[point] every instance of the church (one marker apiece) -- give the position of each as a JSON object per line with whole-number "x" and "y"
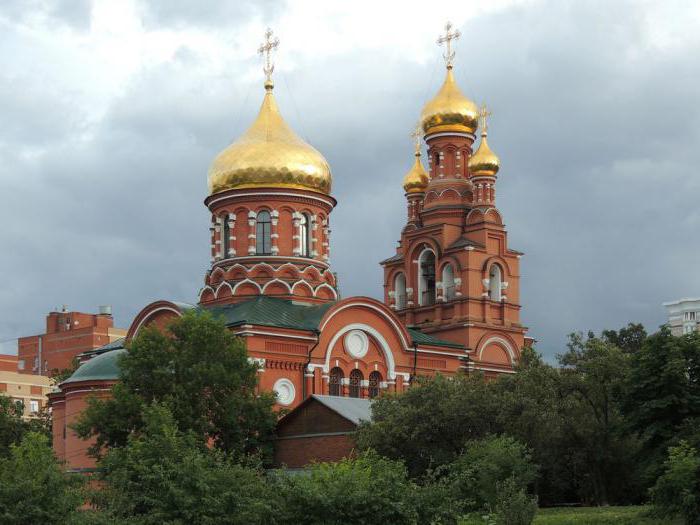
{"x": 451, "y": 289}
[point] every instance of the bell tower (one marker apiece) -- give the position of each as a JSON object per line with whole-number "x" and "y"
{"x": 270, "y": 204}
{"x": 454, "y": 275}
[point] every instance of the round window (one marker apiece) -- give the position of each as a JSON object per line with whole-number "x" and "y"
{"x": 356, "y": 343}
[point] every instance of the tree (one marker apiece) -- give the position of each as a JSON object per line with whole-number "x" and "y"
{"x": 593, "y": 375}
{"x": 677, "y": 491}
{"x": 201, "y": 373}
{"x": 367, "y": 489}
{"x": 628, "y": 339}
{"x": 429, "y": 424}
{"x": 12, "y": 427}
{"x": 663, "y": 393}
{"x": 163, "y": 475}
{"x": 33, "y": 487}
{"x": 477, "y": 473}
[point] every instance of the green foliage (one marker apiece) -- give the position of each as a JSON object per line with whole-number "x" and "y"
{"x": 513, "y": 505}
{"x": 201, "y": 373}
{"x": 487, "y": 464}
{"x": 428, "y": 425}
{"x": 677, "y": 491}
{"x": 33, "y": 487}
{"x": 663, "y": 393}
{"x": 367, "y": 489}
{"x": 12, "y": 427}
{"x": 628, "y": 339}
{"x": 165, "y": 476}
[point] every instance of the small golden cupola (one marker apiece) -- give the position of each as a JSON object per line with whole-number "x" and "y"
{"x": 484, "y": 162}
{"x": 269, "y": 154}
{"x": 416, "y": 180}
{"x": 450, "y": 110}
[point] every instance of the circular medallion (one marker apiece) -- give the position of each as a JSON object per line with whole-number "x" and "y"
{"x": 356, "y": 343}
{"x": 285, "y": 391}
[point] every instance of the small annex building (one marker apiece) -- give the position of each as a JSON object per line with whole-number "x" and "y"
{"x": 451, "y": 292}
{"x": 320, "y": 429}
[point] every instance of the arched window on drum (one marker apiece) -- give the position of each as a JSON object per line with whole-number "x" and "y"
{"x": 335, "y": 382}
{"x": 375, "y": 382}
{"x": 495, "y": 280}
{"x": 356, "y": 379}
{"x": 263, "y": 233}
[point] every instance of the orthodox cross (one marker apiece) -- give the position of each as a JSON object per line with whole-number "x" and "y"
{"x": 415, "y": 134}
{"x": 484, "y": 113}
{"x": 266, "y": 49}
{"x": 447, "y": 39}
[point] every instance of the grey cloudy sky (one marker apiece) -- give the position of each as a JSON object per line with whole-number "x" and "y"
{"x": 111, "y": 111}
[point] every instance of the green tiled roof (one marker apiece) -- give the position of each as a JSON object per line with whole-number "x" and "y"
{"x": 271, "y": 311}
{"x": 425, "y": 339}
{"x": 101, "y": 367}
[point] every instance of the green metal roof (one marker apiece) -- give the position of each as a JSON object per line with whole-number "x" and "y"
{"x": 271, "y": 311}
{"x": 101, "y": 367}
{"x": 425, "y": 339}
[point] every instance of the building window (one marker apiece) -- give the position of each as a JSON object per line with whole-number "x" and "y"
{"x": 400, "y": 291}
{"x": 33, "y": 406}
{"x": 335, "y": 383}
{"x": 375, "y": 381}
{"x": 448, "y": 282}
{"x": 689, "y": 316}
{"x": 495, "y": 283}
{"x": 225, "y": 234}
{"x": 20, "y": 364}
{"x": 427, "y": 278}
{"x": 356, "y": 378}
{"x": 263, "y": 234}
{"x": 305, "y": 235}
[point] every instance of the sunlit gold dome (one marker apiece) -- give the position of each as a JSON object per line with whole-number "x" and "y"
{"x": 269, "y": 154}
{"x": 484, "y": 161}
{"x": 416, "y": 179}
{"x": 450, "y": 110}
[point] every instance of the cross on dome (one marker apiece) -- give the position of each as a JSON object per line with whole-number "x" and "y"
{"x": 447, "y": 39}
{"x": 484, "y": 114}
{"x": 416, "y": 134}
{"x": 266, "y": 49}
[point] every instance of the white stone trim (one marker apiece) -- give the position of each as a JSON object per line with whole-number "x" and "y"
{"x": 388, "y": 355}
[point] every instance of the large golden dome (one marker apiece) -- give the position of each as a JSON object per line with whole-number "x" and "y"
{"x": 450, "y": 110}
{"x": 270, "y": 154}
{"x": 416, "y": 179}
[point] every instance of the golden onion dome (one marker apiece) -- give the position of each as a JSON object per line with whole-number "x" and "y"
{"x": 484, "y": 161}
{"x": 416, "y": 180}
{"x": 269, "y": 154}
{"x": 450, "y": 110}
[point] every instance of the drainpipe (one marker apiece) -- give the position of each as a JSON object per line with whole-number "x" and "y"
{"x": 415, "y": 362}
{"x": 40, "y": 355}
{"x": 308, "y": 360}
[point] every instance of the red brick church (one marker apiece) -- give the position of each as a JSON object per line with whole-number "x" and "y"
{"x": 451, "y": 290}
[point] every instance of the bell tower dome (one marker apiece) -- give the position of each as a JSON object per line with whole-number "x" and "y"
{"x": 270, "y": 205}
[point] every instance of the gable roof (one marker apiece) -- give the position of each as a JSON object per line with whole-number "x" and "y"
{"x": 353, "y": 409}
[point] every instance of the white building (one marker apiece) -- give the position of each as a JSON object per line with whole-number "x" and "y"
{"x": 683, "y": 315}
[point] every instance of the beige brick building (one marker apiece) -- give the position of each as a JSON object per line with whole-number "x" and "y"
{"x": 28, "y": 389}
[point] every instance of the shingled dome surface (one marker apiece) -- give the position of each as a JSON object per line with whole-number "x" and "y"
{"x": 103, "y": 367}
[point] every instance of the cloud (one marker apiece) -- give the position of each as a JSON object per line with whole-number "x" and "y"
{"x": 111, "y": 118}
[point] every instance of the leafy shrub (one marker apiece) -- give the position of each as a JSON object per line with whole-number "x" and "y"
{"x": 677, "y": 491}
{"x": 513, "y": 504}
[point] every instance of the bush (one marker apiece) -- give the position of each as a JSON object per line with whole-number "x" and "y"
{"x": 475, "y": 476}
{"x": 513, "y": 505}
{"x": 677, "y": 491}
{"x": 367, "y": 489}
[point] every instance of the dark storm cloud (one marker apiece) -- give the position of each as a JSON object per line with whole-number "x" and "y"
{"x": 596, "y": 129}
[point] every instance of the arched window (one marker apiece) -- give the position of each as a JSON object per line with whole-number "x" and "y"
{"x": 225, "y": 234}
{"x": 305, "y": 234}
{"x": 263, "y": 239}
{"x": 400, "y": 291}
{"x": 375, "y": 381}
{"x": 495, "y": 282}
{"x": 356, "y": 378}
{"x": 448, "y": 282}
{"x": 335, "y": 383}
{"x": 426, "y": 279}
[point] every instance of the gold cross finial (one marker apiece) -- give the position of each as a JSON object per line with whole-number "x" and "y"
{"x": 484, "y": 114}
{"x": 416, "y": 134}
{"x": 447, "y": 39}
{"x": 266, "y": 49}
